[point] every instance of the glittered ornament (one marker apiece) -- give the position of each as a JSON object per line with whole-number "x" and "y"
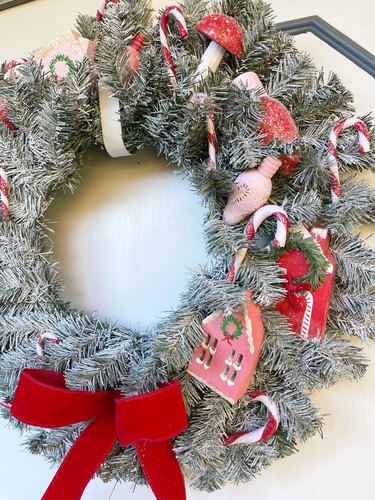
{"x": 307, "y": 309}
{"x": 251, "y": 191}
{"x": 277, "y": 122}
{"x": 226, "y": 35}
{"x": 227, "y": 358}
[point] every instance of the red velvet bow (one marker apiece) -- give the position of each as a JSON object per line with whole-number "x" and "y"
{"x": 148, "y": 421}
{"x": 293, "y": 288}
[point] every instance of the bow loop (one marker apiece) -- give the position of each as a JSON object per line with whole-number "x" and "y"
{"x": 149, "y": 421}
{"x": 155, "y": 424}
{"x": 52, "y": 404}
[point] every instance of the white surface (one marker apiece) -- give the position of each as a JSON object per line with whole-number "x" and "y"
{"x": 105, "y": 261}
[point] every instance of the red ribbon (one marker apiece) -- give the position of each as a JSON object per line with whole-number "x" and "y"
{"x": 292, "y": 288}
{"x": 148, "y": 421}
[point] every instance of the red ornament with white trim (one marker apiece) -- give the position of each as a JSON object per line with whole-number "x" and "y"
{"x": 307, "y": 312}
{"x": 226, "y": 35}
{"x": 277, "y": 122}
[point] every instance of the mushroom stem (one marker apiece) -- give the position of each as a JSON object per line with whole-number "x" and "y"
{"x": 210, "y": 61}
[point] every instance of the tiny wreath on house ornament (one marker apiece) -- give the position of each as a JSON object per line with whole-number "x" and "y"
{"x": 269, "y": 321}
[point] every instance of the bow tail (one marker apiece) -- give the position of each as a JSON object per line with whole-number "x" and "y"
{"x": 83, "y": 459}
{"x": 162, "y": 470}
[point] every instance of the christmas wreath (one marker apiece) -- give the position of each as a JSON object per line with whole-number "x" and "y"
{"x": 253, "y": 325}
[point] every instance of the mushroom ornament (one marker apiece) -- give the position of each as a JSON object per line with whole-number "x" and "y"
{"x": 277, "y": 122}
{"x": 226, "y": 35}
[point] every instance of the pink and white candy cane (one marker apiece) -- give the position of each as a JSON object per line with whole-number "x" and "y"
{"x": 263, "y": 433}
{"x": 101, "y": 6}
{"x": 40, "y": 342}
{"x": 177, "y": 13}
{"x": 252, "y": 227}
{"x": 12, "y": 64}
{"x": 364, "y": 147}
{"x": 4, "y": 193}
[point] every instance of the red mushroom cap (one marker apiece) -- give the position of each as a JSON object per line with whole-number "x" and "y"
{"x": 223, "y": 30}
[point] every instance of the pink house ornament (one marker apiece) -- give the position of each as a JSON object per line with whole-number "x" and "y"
{"x": 59, "y": 57}
{"x": 227, "y": 358}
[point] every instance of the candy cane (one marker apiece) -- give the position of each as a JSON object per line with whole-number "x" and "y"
{"x": 40, "y": 342}
{"x": 211, "y": 139}
{"x": 6, "y": 405}
{"x": 307, "y": 315}
{"x": 4, "y": 194}
{"x": 177, "y": 13}
{"x": 101, "y": 7}
{"x": 250, "y": 230}
{"x": 12, "y": 64}
{"x": 211, "y": 134}
{"x": 263, "y": 433}
{"x": 364, "y": 147}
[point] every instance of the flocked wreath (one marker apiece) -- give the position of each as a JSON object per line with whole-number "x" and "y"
{"x": 252, "y": 326}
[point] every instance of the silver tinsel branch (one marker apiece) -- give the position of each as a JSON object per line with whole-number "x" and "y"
{"x": 59, "y": 120}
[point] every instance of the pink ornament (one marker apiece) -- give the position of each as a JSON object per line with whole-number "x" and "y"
{"x": 252, "y": 190}
{"x": 227, "y": 358}
{"x": 364, "y": 147}
{"x": 226, "y": 35}
{"x": 59, "y": 57}
{"x": 307, "y": 313}
{"x": 277, "y": 122}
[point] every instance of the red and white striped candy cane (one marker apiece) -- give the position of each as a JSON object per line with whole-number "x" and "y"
{"x": 12, "y": 64}
{"x": 211, "y": 140}
{"x": 101, "y": 6}
{"x": 4, "y": 193}
{"x": 40, "y": 342}
{"x": 364, "y": 147}
{"x": 252, "y": 227}
{"x": 177, "y": 13}
{"x": 263, "y": 433}
{"x": 6, "y": 405}
{"x": 211, "y": 134}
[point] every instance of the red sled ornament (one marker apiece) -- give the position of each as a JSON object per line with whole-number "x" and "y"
{"x": 307, "y": 314}
{"x": 226, "y": 360}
